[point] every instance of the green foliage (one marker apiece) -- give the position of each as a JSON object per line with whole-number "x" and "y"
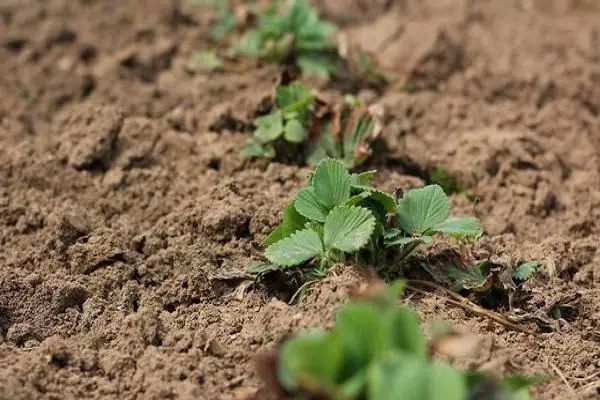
{"x": 345, "y": 135}
{"x": 338, "y": 213}
{"x": 290, "y": 32}
{"x": 294, "y": 32}
{"x": 377, "y": 351}
{"x": 475, "y": 278}
{"x": 319, "y": 224}
{"x": 423, "y": 213}
{"x": 288, "y": 121}
{"x": 525, "y": 271}
{"x": 301, "y": 246}
{"x": 421, "y": 210}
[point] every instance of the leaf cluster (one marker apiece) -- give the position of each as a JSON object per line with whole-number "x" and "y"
{"x": 481, "y": 277}
{"x": 292, "y": 32}
{"x": 317, "y": 130}
{"x": 339, "y": 213}
{"x": 377, "y": 351}
{"x": 525, "y": 270}
{"x": 289, "y": 121}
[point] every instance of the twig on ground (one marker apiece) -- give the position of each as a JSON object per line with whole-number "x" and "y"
{"x": 465, "y": 304}
{"x": 300, "y": 289}
{"x": 562, "y": 377}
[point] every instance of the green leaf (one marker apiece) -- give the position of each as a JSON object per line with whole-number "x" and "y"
{"x": 446, "y": 383}
{"x": 358, "y": 199}
{"x": 525, "y": 271}
{"x": 401, "y": 241}
{"x": 362, "y": 333}
{"x": 348, "y": 228}
{"x": 299, "y": 14}
{"x": 398, "y": 376}
{"x": 262, "y": 267}
{"x": 518, "y": 385}
{"x": 298, "y": 248}
{"x": 364, "y": 178}
{"x": 422, "y": 209}
{"x": 307, "y": 42}
{"x": 353, "y": 387}
{"x": 294, "y": 131}
{"x": 314, "y": 356}
{"x": 395, "y": 237}
{"x": 294, "y": 97}
{"x": 269, "y": 127}
{"x": 385, "y": 199}
{"x": 256, "y": 149}
{"x": 275, "y": 236}
{"x": 315, "y": 65}
{"x": 292, "y": 222}
{"x": 460, "y": 228}
{"x": 406, "y": 332}
{"x": 332, "y": 183}
{"x": 307, "y": 203}
{"x": 467, "y": 277}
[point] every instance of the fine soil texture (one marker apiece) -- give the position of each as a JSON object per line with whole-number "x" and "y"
{"x": 128, "y": 217}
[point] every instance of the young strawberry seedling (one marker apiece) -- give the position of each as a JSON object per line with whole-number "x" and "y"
{"x": 377, "y": 351}
{"x": 292, "y": 33}
{"x": 480, "y": 277}
{"x": 525, "y": 270}
{"x": 302, "y": 124}
{"x": 338, "y": 214}
{"x": 289, "y": 121}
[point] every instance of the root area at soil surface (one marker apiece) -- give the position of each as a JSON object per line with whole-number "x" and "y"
{"x": 128, "y": 217}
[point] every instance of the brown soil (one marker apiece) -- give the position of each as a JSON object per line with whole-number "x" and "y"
{"x": 128, "y": 217}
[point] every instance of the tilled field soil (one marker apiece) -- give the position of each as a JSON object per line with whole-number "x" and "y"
{"x": 128, "y": 217}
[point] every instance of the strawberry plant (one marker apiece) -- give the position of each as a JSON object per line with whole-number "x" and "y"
{"x": 293, "y": 32}
{"x": 289, "y": 121}
{"x": 423, "y": 213}
{"x": 483, "y": 277}
{"x": 525, "y": 270}
{"x": 377, "y": 351}
{"x": 339, "y": 214}
{"x": 314, "y": 129}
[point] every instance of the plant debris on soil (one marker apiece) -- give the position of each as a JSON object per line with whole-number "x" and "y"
{"x": 129, "y": 217}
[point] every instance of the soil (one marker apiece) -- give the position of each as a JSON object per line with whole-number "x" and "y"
{"x": 128, "y": 217}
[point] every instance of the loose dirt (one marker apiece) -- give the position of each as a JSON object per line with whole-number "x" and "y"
{"x": 128, "y": 217}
